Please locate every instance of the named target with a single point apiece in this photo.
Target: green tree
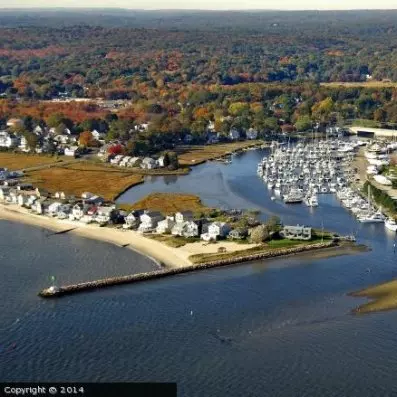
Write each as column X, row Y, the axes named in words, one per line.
column 303, row 123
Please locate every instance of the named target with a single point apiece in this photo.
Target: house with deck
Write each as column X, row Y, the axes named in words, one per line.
column 216, row 230
column 298, row 232
column 165, row 226
column 105, row 215
column 149, row 221
column 148, row 163
column 132, row 220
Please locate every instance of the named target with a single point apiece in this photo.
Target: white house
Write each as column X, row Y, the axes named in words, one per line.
column 38, row 130
column 64, row 211
column 131, row 220
column 141, row 127
column 160, row 161
column 132, row 162
column 78, row 211
column 40, row 206
column 62, row 138
column 71, row 151
column 252, row 133
column 185, row 229
column 8, row 140
column 105, row 215
column 216, row 230
column 4, row 191
column 23, row 144
column 148, row 163
column 166, row 225
column 183, row 216
column 149, row 221
column 234, row 134
column 296, row 232
column 98, row 135
column 54, row 207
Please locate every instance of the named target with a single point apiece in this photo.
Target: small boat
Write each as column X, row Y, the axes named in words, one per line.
column 391, row 224
column 272, row 198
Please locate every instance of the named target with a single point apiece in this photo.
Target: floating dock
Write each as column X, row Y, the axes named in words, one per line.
column 134, row 278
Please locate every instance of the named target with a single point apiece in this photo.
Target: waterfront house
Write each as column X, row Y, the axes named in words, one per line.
column 53, row 208
column 13, row 196
column 8, row 140
column 132, row 219
column 234, row 134
column 4, row 192
column 160, row 161
column 62, row 139
column 252, row 134
column 166, row 225
column 186, row 229
column 148, row 163
column 105, row 215
column 22, row 199
column 149, row 220
column 40, row 206
column 238, row 234
column 296, row 232
column 78, row 211
column 191, row 229
column 64, row 211
column 216, row 230
column 183, row 216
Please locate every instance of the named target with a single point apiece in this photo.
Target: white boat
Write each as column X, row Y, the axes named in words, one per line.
column 377, row 217
column 391, row 224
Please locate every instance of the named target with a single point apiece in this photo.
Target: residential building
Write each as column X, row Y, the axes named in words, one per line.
column 183, row 216
column 72, row 151
column 234, row 134
column 53, row 208
column 8, row 140
column 297, row 232
column 60, row 195
column 238, row 234
column 148, row 163
column 98, row 135
column 105, row 215
column 64, row 211
column 166, row 225
column 216, row 230
column 186, row 229
column 160, row 161
column 149, row 220
column 252, row 134
column 132, row 220
column 4, row 192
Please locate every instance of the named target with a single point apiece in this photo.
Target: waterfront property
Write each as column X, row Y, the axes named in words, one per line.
column 296, row 232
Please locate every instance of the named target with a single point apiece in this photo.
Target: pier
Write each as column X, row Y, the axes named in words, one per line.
column 134, row 278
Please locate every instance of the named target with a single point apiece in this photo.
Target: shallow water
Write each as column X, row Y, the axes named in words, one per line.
column 267, row 328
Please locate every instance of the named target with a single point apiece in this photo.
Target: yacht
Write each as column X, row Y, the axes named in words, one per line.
column 376, row 217
column 391, row 224
column 294, row 196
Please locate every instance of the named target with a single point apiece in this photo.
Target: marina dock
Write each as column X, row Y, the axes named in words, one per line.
column 134, row 278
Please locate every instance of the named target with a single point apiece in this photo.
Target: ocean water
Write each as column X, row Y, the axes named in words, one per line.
column 268, row 328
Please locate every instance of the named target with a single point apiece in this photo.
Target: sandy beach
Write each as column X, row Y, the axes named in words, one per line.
column 157, row 251
column 170, row 257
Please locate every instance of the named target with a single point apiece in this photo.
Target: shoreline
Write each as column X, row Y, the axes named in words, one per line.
column 161, row 254
column 169, row 260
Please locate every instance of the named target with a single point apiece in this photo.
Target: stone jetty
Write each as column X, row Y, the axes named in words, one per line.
column 108, row 282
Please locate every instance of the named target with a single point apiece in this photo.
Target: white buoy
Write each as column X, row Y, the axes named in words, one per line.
column 191, row 312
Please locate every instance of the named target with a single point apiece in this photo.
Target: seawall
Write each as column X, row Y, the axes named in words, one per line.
column 108, row 282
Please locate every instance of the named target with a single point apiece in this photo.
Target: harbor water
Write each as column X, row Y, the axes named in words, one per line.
column 267, row 328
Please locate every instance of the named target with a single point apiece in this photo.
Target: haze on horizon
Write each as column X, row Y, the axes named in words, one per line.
column 204, row 4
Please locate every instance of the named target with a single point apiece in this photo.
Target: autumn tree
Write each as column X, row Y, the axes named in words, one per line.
column 87, row 139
